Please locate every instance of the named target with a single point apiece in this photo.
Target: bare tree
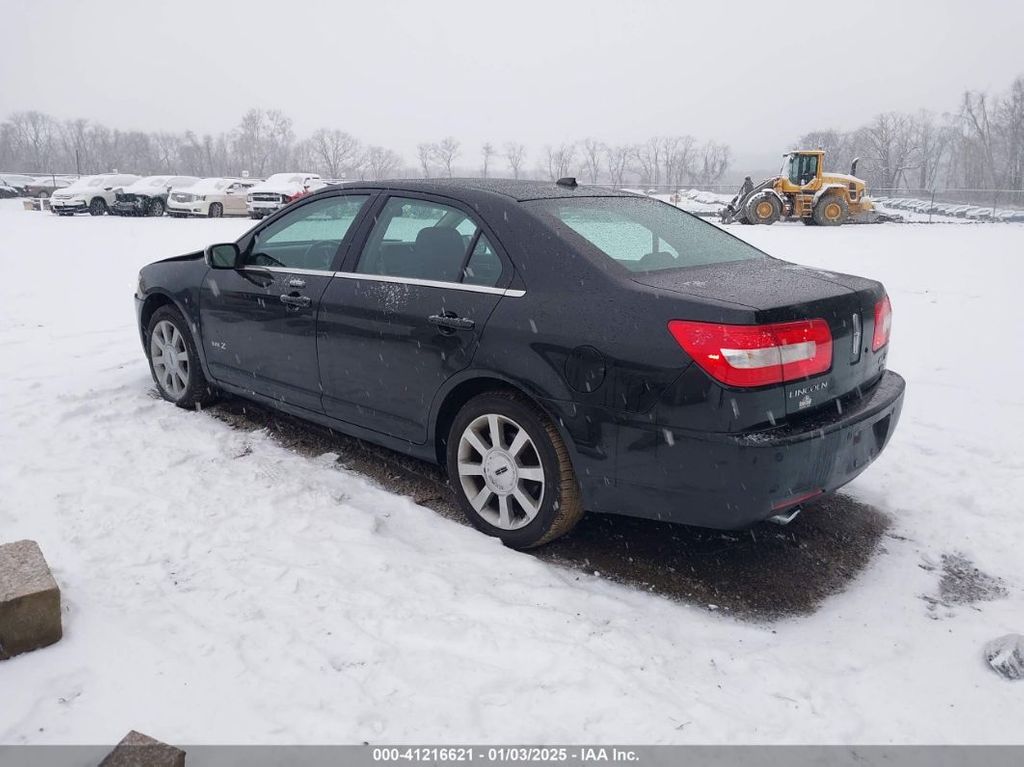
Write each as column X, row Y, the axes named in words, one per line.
column 1010, row 128
column 488, row 151
column 446, row 152
column 677, row 157
column 617, row 159
column 647, row 162
column 560, row 160
column 263, row 140
column 889, row 142
column 515, row 154
column 335, row 152
column 713, row 162
column 381, row 163
column 592, row 151
column 975, row 114
column 33, row 136
column 425, row 153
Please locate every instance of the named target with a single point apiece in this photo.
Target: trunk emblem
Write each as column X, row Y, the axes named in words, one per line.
column 858, row 337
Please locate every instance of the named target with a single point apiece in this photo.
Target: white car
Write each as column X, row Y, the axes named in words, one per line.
column 92, row 194
column 212, row 197
column 279, row 190
column 148, row 196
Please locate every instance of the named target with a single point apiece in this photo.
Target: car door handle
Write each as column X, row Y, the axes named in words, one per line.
column 451, row 323
column 296, row 300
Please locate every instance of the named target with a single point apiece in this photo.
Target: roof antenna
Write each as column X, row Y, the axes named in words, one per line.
column 569, row 181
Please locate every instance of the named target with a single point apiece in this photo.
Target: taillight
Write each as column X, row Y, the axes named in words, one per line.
column 757, row 355
column 883, row 324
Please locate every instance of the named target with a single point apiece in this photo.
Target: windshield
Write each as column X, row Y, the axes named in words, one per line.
column 207, row 185
column 88, row 181
column 285, row 178
column 642, row 235
column 153, row 181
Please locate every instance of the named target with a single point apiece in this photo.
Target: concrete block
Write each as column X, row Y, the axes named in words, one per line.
column 29, row 600
column 138, row 750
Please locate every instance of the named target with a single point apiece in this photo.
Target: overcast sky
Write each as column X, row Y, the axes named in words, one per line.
column 754, row 75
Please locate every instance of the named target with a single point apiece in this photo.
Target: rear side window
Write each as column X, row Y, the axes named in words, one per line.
column 484, row 266
column 424, row 240
column 639, row 234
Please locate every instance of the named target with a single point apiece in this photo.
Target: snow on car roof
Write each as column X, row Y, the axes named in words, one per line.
column 216, row 184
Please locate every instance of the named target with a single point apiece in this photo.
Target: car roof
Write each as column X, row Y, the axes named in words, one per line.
column 468, row 188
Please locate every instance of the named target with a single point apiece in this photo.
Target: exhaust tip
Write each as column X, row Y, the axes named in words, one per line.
column 786, row 518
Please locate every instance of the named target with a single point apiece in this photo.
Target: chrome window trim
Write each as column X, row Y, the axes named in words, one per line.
column 510, row 292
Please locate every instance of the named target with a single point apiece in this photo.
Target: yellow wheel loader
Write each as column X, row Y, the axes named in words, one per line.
column 803, row 191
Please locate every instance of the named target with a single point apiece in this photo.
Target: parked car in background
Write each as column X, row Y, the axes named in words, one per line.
column 90, row 194
column 8, row 191
column 212, row 197
column 279, row 190
column 148, row 196
column 727, row 387
column 980, row 213
column 44, row 186
column 16, row 182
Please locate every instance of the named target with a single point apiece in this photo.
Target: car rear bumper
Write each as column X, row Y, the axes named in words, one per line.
column 731, row 481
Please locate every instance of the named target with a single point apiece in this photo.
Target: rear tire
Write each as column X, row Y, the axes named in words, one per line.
column 174, row 361
column 97, row 207
column 831, row 210
column 511, row 471
column 763, row 209
column 156, row 208
column 216, row 210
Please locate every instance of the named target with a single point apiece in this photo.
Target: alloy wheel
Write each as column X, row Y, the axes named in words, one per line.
column 169, row 353
column 500, row 471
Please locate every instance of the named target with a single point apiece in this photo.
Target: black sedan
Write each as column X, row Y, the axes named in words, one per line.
column 559, row 348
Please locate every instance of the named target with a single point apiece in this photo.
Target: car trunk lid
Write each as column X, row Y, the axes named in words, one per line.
column 775, row 291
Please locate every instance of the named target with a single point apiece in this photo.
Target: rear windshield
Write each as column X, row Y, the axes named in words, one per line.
column 642, row 235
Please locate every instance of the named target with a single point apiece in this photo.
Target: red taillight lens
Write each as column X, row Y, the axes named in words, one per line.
column 756, row 355
column 883, row 324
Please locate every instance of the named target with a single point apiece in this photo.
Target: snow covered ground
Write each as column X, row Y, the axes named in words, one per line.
column 220, row 588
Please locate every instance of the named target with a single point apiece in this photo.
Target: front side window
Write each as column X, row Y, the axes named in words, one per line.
column 308, row 237
column 420, row 240
column 640, row 234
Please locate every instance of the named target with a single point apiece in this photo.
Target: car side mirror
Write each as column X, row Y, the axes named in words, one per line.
column 223, row 256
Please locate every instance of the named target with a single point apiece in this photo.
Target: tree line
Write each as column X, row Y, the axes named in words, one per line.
column 978, row 145
column 264, row 142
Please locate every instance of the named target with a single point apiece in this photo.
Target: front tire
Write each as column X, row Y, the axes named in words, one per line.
column 156, row 208
column 511, row 471
column 831, row 210
column 216, row 210
column 174, row 361
column 97, row 207
column 764, row 209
